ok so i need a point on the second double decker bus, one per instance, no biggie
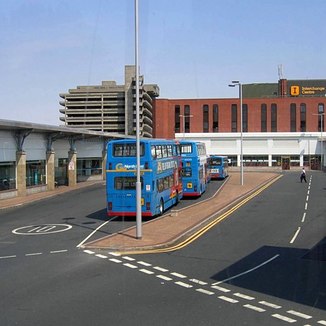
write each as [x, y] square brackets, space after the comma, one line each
[194, 168]
[160, 169]
[218, 166]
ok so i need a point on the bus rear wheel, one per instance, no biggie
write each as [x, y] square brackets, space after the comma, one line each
[161, 207]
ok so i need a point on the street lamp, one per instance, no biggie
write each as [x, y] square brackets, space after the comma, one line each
[138, 183]
[321, 114]
[234, 84]
[183, 116]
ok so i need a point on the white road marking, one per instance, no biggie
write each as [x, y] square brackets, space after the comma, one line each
[287, 319]
[6, 257]
[322, 322]
[243, 296]
[146, 271]
[115, 260]
[248, 271]
[299, 314]
[303, 217]
[205, 291]
[306, 206]
[34, 254]
[93, 232]
[89, 252]
[163, 277]
[185, 285]
[222, 297]
[178, 275]
[271, 305]
[197, 281]
[258, 309]
[128, 258]
[116, 254]
[144, 263]
[58, 251]
[101, 256]
[220, 288]
[295, 235]
[130, 265]
[161, 269]
[307, 198]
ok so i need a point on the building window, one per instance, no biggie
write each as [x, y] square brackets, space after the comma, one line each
[7, 175]
[177, 118]
[234, 118]
[35, 173]
[321, 123]
[303, 122]
[205, 118]
[274, 117]
[215, 118]
[245, 117]
[187, 118]
[87, 167]
[263, 118]
[293, 117]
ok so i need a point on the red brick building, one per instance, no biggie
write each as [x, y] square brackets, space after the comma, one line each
[286, 106]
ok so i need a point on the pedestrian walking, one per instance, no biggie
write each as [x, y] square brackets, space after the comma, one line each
[303, 175]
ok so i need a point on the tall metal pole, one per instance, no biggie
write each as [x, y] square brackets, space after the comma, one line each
[138, 184]
[241, 135]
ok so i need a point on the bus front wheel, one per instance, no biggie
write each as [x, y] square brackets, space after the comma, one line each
[161, 206]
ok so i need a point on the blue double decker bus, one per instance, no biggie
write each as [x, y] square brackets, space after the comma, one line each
[160, 176]
[195, 173]
[218, 166]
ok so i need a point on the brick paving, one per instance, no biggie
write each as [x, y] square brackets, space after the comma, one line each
[174, 227]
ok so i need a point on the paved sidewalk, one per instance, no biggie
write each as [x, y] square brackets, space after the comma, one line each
[173, 228]
[19, 201]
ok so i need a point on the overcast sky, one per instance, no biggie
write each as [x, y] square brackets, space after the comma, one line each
[190, 48]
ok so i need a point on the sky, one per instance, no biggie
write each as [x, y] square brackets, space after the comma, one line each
[189, 48]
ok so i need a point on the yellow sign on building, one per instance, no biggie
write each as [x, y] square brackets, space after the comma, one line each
[295, 90]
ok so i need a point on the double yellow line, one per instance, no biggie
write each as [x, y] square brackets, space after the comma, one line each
[207, 227]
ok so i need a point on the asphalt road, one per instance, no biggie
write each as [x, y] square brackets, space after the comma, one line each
[264, 265]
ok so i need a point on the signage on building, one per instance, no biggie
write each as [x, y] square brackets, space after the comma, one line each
[296, 90]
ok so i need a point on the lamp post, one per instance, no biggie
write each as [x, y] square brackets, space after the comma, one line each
[234, 84]
[138, 183]
[183, 116]
[321, 114]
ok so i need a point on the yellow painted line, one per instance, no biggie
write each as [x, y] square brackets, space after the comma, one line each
[207, 227]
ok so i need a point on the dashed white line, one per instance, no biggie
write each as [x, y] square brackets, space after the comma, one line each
[193, 280]
[58, 251]
[146, 271]
[144, 263]
[163, 277]
[115, 260]
[271, 305]
[130, 265]
[6, 257]
[284, 318]
[34, 254]
[258, 309]
[222, 297]
[178, 275]
[303, 217]
[220, 288]
[295, 235]
[116, 254]
[244, 296]
[205, 291]
[161, 269]
[89, 252]
[185, 285]
[307, 198]
[101, 256]
[128, 258]
[322, 322]
[299, 314]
